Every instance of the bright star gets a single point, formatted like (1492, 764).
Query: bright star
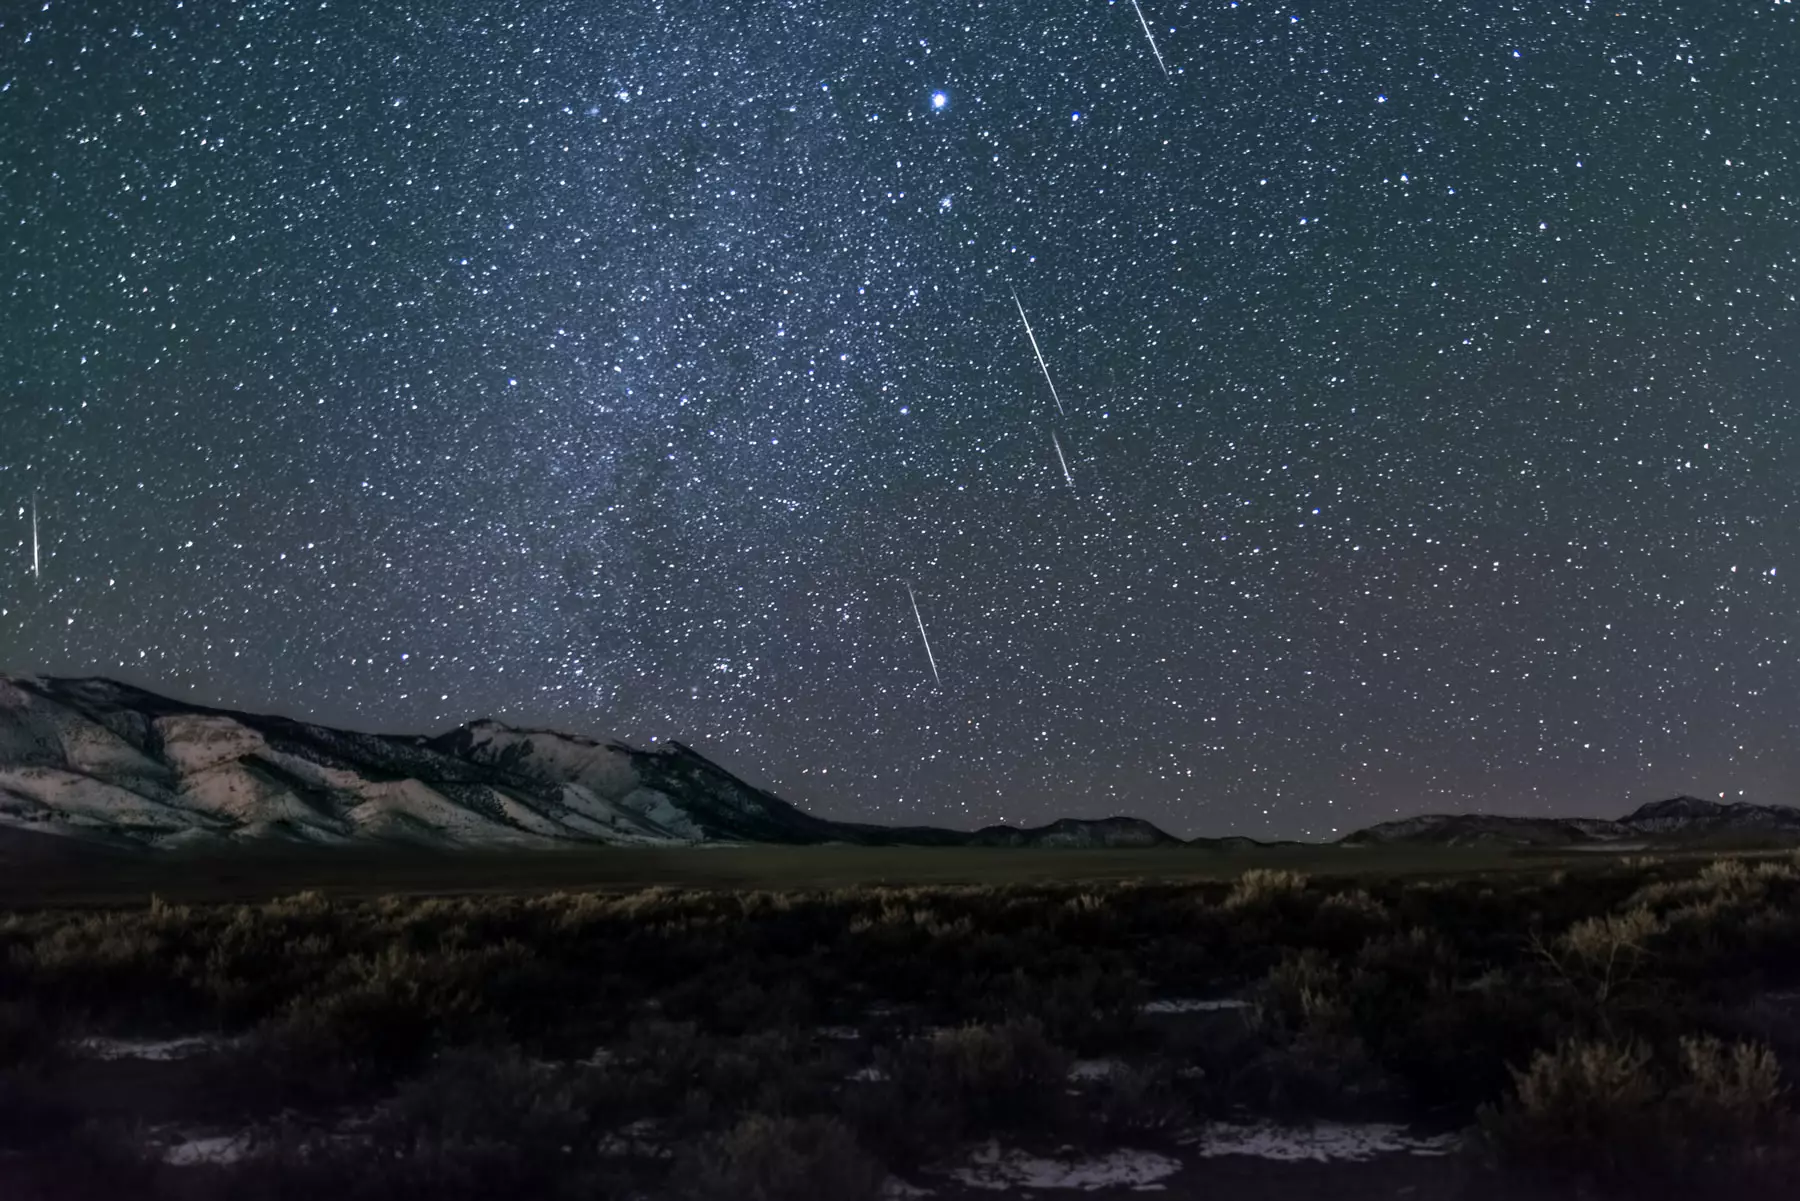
(939, 100)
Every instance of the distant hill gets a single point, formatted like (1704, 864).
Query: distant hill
(1682, 819)
(108, 763)
(1072, 832)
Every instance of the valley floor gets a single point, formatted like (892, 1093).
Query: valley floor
(1510, 1029)
(50, 871)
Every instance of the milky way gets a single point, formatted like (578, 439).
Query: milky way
(1430, 376)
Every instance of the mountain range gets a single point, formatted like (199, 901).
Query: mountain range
(1679, 819)
(107, 762)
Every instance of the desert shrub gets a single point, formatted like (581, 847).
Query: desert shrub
(1727, 875)
(1720, 884)
(1322, 1070)
(1135, 1100)
(1727, 1089)
(1452, 1046)
(663, 1061)
(1448, 1042)
(294, 1061)
(765, 1158)
(473, 1096)
(377, 1018)
(1604, 1111)
(1604, 945)
(1398, 969)
(1345, 920)
(1582, 1105)
(997, 1073)
(738, 1004)
(1303, 983)
(112, 969)
(263, 956)
(1264, 886)
(961, 1083)
(693, 1082)
(766, 1072)
(1600, 959)
(1085, 903)
(1089, 1010)
(378, 1022)
(1314, 1061)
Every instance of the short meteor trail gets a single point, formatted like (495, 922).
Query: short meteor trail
(1059, 458)
(1042, 366)
(931, 658)
(37, 571)
(1152, 37)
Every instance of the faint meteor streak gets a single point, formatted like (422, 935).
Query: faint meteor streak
(1152, 37)
(931, 658)
(1057, 442)
(1042, 366)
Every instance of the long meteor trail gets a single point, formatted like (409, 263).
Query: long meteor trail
(1042, 366)
(37, 570)
(1152, 37)
(1057, 442)
(931, 658)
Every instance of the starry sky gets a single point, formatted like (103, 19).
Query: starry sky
(1428, 376)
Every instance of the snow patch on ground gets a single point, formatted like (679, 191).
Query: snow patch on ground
(846, 1034)
(151, 1048)
(867, 1076)
(1195, 1005)
(992, 1168)
(1324, 1142)
(1088, 1071)
(896, 1189)
(212, 1148)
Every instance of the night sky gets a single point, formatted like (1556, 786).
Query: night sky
(1430, 371)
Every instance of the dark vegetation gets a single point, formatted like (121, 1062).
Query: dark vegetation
(1616, 1030)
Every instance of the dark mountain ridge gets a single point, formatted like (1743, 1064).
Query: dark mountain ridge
(116, 765)
(1681, 818)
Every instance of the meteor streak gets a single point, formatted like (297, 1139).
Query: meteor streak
(1059, 458)
(931, 658)
(1152, 37)
(1042, 366)
(37, 571)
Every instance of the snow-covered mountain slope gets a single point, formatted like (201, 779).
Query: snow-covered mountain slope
(103, 760)
(93, 757)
